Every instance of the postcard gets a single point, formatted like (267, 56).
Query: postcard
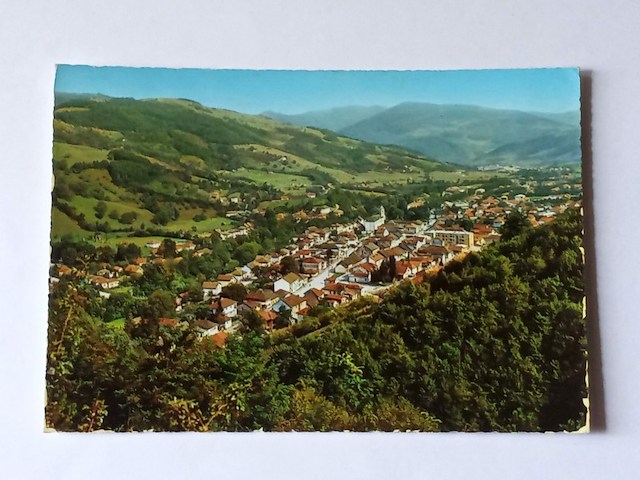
(242, 250)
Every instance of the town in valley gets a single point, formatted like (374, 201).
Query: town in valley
(332, 265)
(316, 251)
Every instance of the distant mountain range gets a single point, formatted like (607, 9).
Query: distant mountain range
(461, 134)
(334, 119)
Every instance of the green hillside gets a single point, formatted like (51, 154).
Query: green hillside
(461, 134)
(167, 166)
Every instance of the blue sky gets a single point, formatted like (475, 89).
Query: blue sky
(297, 91)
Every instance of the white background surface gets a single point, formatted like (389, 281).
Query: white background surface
(598, 36)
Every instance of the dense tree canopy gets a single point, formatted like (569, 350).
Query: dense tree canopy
(495, 341)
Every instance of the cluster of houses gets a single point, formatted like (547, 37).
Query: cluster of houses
(332, 266)
(335, 267)
(270, 304)
(106, 278)
(489, 213)
(412, 247)
(321, 213)
(291, 294)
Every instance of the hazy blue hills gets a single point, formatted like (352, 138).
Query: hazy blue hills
(333, 119)
(571, 118)
(462, 134)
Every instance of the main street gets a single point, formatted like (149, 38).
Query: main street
(318, 280)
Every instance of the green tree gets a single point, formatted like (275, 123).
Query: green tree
(515, 224)
(392, 268)
(122, 305)
(62, 190)
(246, 252)
(234, 291)
(128, 218)
(283, 319)
(289, 264)
(194, 292)
(168, 248)
(100, 209)
(252, 321)
(161, 303)
(127, 252)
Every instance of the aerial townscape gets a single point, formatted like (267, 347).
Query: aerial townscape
(325, 266)
(215, 270)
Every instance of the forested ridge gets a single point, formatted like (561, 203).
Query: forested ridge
(493, 342)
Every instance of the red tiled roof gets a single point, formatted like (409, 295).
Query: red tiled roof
(204, 324)
(419, 278)
(351, 292)
(219, 339)
(482, 228)
(369, 267)
(252, 303)
(333, 287)
(294, 300)
(312, 260)
(168, 322)
(402, 267)
(311, 299)
(433, 250)
(261, 295)
(227, 302)
(268, 316)
(281, 293)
